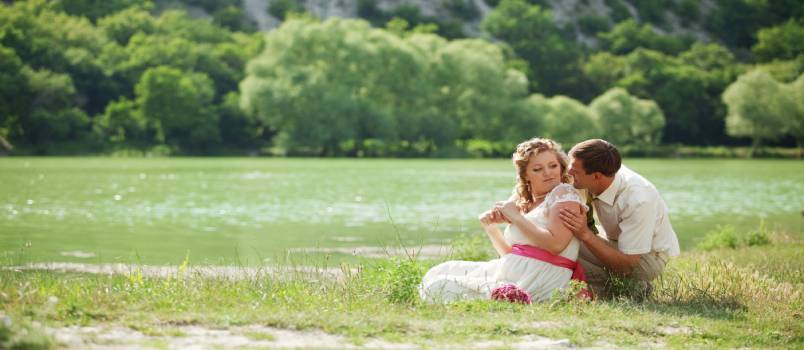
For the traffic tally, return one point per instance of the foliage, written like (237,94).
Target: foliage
(628,35)
(736,22)
(727,237)
(759,107)
(552,56)
(627,120)
(694,78)
(396,279)
(782,42)
(565,120)
(281,8)
(97,52)
(592,24)
(181,104)
(320,84)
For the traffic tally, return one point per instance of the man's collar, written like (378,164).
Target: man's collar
(608,195)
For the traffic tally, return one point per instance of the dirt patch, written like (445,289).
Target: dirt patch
(227,272)
(197,337)
(252,336)
(426,252)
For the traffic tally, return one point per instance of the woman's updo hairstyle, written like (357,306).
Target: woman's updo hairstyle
(521,157)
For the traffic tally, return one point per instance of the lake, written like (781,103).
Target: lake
(256,210)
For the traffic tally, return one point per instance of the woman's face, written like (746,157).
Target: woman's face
(543,172)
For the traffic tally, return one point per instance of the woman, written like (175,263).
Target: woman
(537,252)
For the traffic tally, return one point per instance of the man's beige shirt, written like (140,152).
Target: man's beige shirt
(635,216)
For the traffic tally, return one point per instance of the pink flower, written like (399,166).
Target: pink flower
(511,293)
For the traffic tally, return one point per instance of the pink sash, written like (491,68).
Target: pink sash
(540,254)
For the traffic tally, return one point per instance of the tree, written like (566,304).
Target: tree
(552,54)
(123,123)
(782,42)
(180,103)
(687,87)
(567,120)
(53,117)
(628,35)
(758,107)
(14,93)
(330,87)
(121,26)
(795,126)
(627,120)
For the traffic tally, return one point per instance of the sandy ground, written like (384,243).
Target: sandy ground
(253,337)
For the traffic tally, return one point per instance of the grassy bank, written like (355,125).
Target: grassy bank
(747,296)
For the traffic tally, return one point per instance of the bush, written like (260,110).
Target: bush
(727,237)
(396,279)
(722,237)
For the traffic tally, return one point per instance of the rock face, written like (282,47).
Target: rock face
(565,13)
(258,10)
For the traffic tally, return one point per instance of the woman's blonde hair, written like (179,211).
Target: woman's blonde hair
(521,157)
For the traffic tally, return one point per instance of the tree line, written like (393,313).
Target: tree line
(126,77)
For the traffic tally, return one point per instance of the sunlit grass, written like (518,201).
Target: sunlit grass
(743,297)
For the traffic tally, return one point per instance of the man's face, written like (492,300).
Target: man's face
(581,179)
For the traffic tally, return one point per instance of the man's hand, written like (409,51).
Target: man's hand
(576,222)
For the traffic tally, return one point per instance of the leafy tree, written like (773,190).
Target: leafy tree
(552,55)
(758,107)
(53,117)
(795,126)
(123,123)
(281,8)
(121,26)
(628,35)
(782,42)
(565,119)
(180,103)
(687,88)
(737,21)
(332,87)
(14,93)
(627,120)
(95,9)
(233,18)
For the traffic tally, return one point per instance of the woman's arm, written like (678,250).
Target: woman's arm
(555,237)
(489,221)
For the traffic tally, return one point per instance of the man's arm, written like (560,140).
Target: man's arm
(611,257)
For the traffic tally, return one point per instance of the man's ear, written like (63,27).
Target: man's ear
(598,175)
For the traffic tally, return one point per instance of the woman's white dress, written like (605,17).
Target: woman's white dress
(462,280)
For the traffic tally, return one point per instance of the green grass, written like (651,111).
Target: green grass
(728,297)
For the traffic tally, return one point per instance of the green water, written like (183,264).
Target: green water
(157,210)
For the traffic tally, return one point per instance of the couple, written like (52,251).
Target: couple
(551,238)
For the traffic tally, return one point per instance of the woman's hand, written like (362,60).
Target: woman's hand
(491,217)
(508,208)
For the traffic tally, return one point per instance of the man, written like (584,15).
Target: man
(638,236)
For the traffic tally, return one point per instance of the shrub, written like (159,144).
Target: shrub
(727,237)
(396,279)
(722,237)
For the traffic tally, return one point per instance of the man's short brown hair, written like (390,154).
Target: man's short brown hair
(597,156)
